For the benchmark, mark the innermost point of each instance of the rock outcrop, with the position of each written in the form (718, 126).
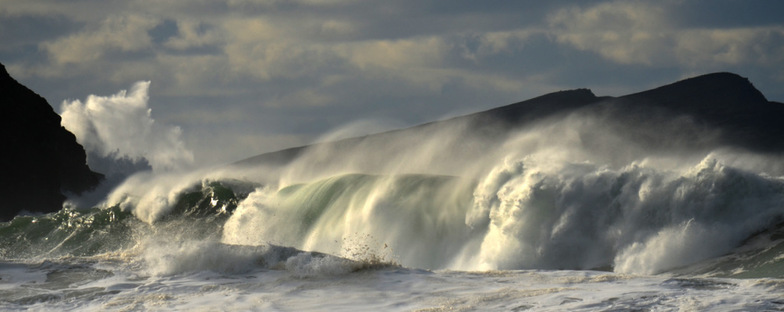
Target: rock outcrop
(40, 160)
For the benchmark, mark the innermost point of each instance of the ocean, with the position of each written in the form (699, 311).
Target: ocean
(565, 215)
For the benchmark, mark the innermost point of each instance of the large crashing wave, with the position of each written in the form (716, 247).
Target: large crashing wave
(636, 219)
(581, 191)
(542, 198)
(524, 215)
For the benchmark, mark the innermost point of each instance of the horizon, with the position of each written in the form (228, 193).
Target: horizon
(230, 80)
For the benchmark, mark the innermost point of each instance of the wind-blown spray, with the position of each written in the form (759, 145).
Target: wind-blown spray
(121, 126)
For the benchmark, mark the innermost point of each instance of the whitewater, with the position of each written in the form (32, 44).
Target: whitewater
(567, 213)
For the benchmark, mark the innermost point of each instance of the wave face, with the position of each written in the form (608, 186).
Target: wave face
(67, 233)
(419, 218)
(524, 214)
(568, 193)
(635, 219)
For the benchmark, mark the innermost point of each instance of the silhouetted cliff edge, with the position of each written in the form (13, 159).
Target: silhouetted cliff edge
(40, 160)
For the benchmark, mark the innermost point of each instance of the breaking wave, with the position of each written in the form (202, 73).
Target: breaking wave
(567, 193)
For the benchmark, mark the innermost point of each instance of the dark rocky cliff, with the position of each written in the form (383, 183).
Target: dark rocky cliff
(40, 160)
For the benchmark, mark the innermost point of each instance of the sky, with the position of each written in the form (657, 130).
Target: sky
(223, 80)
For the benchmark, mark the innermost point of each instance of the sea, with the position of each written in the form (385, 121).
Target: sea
(567, 215)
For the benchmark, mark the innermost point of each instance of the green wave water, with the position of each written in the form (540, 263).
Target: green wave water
(422, 220)
(74, 232)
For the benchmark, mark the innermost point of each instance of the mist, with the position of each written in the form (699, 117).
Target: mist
(121, 127)
(121, 139)
(574, 191)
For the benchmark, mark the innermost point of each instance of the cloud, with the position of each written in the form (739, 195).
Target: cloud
(423, 52)
(118, 33)
(643, 33)
(193, 34)
(626, 32)
(496, 42)
(266, 51)
(753, 45)
(213, 55)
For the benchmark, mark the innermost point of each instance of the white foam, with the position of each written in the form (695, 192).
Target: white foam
(640, 220)
(305, 264)
(166, 258)
(121, 125)
(391, 289)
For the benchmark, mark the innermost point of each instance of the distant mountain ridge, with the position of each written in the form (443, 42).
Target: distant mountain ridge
(721, 101)
(40, 159)
(724, 101)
